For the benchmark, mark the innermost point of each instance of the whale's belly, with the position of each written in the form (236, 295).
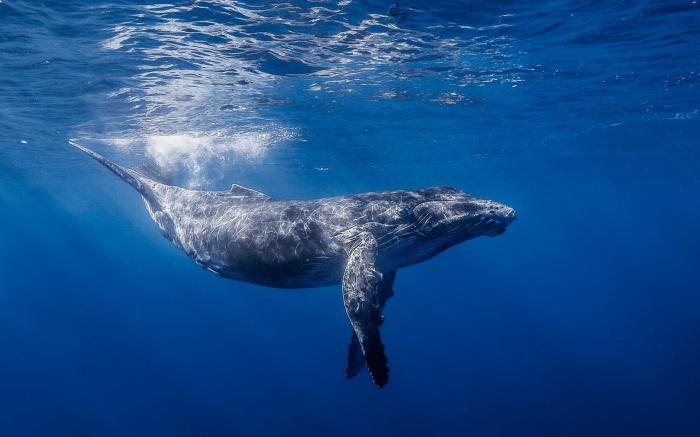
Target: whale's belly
(300, 257)
(285, 267)
(308, 274)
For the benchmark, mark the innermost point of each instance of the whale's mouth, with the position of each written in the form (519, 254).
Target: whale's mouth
(491, 220)
(480, 225)
(464, 218)
(498, 221)
(505, 218)
(495, 230)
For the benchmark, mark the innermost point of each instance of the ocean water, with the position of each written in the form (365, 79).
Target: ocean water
(582, 319)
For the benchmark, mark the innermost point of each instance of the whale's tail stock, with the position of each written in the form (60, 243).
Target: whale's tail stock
(128, 175)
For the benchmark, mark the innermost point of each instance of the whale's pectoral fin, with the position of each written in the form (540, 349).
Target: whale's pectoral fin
(362, 297)
(356, 359)
(240, 190)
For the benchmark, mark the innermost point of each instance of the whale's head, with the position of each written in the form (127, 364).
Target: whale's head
(450, 216)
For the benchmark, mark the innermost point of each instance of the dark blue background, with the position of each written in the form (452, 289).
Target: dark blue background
(582, 319)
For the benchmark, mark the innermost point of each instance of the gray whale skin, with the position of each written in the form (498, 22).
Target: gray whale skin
(359, 241)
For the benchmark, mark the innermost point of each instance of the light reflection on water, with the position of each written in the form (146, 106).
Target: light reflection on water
(203, 94)
(281, 82)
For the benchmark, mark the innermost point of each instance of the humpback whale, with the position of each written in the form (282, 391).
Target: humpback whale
(359, 241)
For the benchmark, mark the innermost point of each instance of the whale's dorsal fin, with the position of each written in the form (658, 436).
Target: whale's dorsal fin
(362, 286)
(240, 190)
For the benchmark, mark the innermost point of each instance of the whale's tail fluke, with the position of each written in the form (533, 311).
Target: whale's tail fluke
(127, 175)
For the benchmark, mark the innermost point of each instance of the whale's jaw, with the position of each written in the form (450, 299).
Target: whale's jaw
(497, 222)
(462, 218)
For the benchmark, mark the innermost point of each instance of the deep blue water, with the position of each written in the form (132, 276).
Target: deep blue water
(582, 319)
